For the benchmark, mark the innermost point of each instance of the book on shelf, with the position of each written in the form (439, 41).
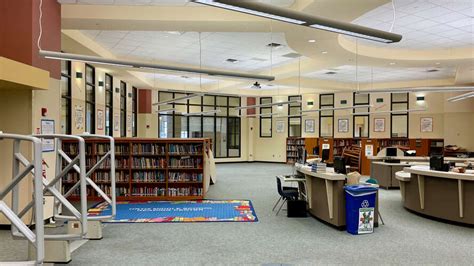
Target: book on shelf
(184, 177)
(121, 149)
(148, 148)
(148, 177)
(185, 163)
(120, 176)
(148, 191)
(186, 149)
(184, 191)
(146, 162)
(119, 163)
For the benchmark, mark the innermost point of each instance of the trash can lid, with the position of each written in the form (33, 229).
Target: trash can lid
(358, 189)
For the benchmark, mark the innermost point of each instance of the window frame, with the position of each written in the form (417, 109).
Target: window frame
(355, 116)
(109, 106)
(300, 105)
(92, 84)
(407, 102)
(123, 109)
(266, 118)
(68, 97)
(321, 113)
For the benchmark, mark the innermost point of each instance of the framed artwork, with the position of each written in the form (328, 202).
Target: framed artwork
(280, 126)
(379, 124)
(426, 124)
(343, 125)
(309, 126)
(79, 117)
(116, 122)
(100, 119)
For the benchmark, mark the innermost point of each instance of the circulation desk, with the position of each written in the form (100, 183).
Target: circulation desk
(444, 195)
(325, 196)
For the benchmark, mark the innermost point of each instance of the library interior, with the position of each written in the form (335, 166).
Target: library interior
(219, 132)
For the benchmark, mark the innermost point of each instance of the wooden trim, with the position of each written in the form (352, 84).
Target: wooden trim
(421, 190)
(461, 198)
(330, 197)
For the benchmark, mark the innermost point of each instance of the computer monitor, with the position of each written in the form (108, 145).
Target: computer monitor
(325, 155)
(391, 152)
(302, 154)
(437, 162)
(339, 165)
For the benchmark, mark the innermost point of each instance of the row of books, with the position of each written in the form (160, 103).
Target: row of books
(103, 148)
(120, 176)
(184, 191)
(291, 148)
(148, 148)
(185, 149)
(295, 142)
(148, 163)
(119, 191)
(77, 192)
(121, 149)
(119, 163)
(73, 148)
(144, 177)
(148, 191)
(185, 163)
(184, 177)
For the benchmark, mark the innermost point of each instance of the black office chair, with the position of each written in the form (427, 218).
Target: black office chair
(286, 193)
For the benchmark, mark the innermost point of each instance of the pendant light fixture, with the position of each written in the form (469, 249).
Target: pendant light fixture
(390, 112)
(255, 8)
(337, 108)
(461, 97)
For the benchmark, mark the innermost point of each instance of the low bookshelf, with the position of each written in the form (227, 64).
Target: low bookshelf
(146, 169)
(292, 145)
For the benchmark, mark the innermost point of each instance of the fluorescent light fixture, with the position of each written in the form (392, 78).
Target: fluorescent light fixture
(170, 101)
(419, 89)
(267, 104)
(461, 97)
(337, 108)
(255, 8)
(311, 41)
(149, 66)
(204, 113)
(236, 7)
(391, 112)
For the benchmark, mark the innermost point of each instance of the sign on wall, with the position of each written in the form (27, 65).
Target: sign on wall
(47, 128)
(100, 119)
(280, 126)
(426, 124)
(79, 117)
(116, 122)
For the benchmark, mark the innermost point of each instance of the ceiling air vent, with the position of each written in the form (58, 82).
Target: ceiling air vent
(432, 70)
(274, 45)
(291, 55)
(231, 60)
(330, 73)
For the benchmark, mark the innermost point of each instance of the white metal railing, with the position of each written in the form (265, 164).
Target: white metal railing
(34, 167)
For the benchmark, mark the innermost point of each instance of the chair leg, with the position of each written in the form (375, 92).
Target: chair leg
(276, 204)
(281, 206)
(381, 219)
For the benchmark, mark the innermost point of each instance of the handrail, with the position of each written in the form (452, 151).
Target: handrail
(36, 238)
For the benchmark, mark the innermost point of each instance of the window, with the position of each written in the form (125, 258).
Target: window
(65, 97)
(123, 109)
(223, 127)
(109, 105)
(134, 112)
(326, 118)
(90, 99)
(361, 122)
(294, 119)
(265, 121)
(399, 121)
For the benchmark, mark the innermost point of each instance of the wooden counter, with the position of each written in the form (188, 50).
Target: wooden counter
(444, 195)
(325, 196)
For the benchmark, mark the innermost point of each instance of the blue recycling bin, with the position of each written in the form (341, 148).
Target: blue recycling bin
(360, 209)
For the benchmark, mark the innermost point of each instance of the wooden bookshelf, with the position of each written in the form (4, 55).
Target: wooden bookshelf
(292, 145)
(147, 169)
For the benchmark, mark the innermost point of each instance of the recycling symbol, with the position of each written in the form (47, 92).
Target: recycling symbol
(365, 204)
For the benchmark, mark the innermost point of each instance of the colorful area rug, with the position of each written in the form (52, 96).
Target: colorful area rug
(179, 211)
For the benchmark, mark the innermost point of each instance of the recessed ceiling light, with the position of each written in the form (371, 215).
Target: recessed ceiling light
(312, 41)
(437, 63)
(324, 52)
(392, 63)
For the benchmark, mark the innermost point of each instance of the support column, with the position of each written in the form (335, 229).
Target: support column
(147, 121)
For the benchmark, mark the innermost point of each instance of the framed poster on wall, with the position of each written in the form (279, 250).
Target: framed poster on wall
(116, 122)
(47, 128)
(280, 126)
(309, 126)
(100, 119)
(379, 124)
(426, 124)
(79, 117)
(343, 125)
